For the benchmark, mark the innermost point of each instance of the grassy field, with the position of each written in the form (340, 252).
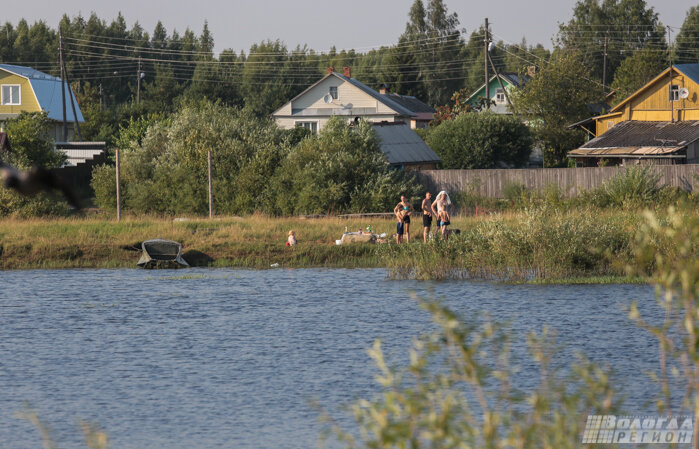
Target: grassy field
(250, 242)
(542, 245)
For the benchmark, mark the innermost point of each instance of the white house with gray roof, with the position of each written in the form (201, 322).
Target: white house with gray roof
(394, 116)
(340, 94)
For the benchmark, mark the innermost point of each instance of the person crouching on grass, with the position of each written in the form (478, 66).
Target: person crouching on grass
(291, 241)
(403, 211)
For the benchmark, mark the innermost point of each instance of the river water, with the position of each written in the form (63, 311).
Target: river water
(233, 358)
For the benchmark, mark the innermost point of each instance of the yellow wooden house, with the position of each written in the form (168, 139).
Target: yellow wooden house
(27, 89)
(657, 124)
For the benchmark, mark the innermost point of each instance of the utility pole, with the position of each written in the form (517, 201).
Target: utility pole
(486, 42)
(671, 93)
(76, 124)
(211, 190)
(604, 67)
(63, 82)
(138, 76)
(118, 187)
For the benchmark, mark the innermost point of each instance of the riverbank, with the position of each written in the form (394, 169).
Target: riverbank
(542, 245)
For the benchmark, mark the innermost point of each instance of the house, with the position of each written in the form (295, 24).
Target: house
(510, 82)
(403, 148)
(657, 124)
(26, 89)
(340, 94)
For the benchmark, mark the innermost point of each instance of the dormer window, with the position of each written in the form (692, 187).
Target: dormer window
(674, 92)
(10, 95)
(333, 92)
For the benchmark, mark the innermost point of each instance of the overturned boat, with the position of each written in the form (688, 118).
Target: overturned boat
(159, 253)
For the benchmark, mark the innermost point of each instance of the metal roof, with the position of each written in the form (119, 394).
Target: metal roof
(47, 90)
(626, 151)
(402, 145)
(632, 133)
(411, 103)
(691, 70)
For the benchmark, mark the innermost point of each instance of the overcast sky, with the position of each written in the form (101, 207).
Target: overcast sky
(358, 24)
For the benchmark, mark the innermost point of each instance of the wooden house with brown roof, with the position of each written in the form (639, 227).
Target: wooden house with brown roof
(658, 124)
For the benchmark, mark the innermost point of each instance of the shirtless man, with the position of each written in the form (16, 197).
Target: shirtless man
(442, 203)
(403, 211)
(426, 216)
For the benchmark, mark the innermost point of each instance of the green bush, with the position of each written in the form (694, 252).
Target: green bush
(15, 205)
(31, 146)
(340, 170)
(256, 166)
(636, 185)
(481, 140)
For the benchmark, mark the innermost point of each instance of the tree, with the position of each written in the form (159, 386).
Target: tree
(342, 169)
(636, 70)
(29, 133)
(627, 25)
(556, 97)
(428, 52)
(688, 38)
(481, 140)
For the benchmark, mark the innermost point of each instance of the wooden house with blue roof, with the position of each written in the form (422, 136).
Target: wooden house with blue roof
(27, 89)
(657, 124)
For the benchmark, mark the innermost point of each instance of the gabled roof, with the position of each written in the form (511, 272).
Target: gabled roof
(47, 90)
(642, 138)
(689, 70)
(402, 145)
(364, 88)
(411, 103)
(511, 78)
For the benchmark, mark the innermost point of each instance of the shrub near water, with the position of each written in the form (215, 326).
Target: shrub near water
(543, 243)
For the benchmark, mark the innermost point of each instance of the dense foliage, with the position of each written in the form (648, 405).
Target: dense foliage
(28, 134)
(556, 97)
(256, 166)
(481, 140)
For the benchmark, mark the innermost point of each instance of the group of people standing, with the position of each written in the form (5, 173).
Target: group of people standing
(441, 209)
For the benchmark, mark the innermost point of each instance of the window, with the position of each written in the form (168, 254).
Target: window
(499, 96)
(10, 94)
(333, 92)
(311, 126)
(674, 92)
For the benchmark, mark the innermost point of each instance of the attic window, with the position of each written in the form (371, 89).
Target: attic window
(674, 92)
(10, 94)
(333, 92)
(499, 95)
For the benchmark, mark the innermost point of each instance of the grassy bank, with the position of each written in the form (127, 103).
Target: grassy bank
(250, 242)
(541, 245)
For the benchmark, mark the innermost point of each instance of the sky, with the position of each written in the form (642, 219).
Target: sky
(358, 24)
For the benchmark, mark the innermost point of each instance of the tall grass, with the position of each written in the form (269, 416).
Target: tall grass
(540, 243)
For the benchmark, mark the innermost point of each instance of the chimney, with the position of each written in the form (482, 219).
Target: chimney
(531, 71)
(383, 89)
(331, 69)
(348, 72)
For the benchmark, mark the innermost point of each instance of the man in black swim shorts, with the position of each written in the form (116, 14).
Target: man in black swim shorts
(426, 216)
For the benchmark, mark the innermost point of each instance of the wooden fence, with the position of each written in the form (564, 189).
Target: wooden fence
(571, 181)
